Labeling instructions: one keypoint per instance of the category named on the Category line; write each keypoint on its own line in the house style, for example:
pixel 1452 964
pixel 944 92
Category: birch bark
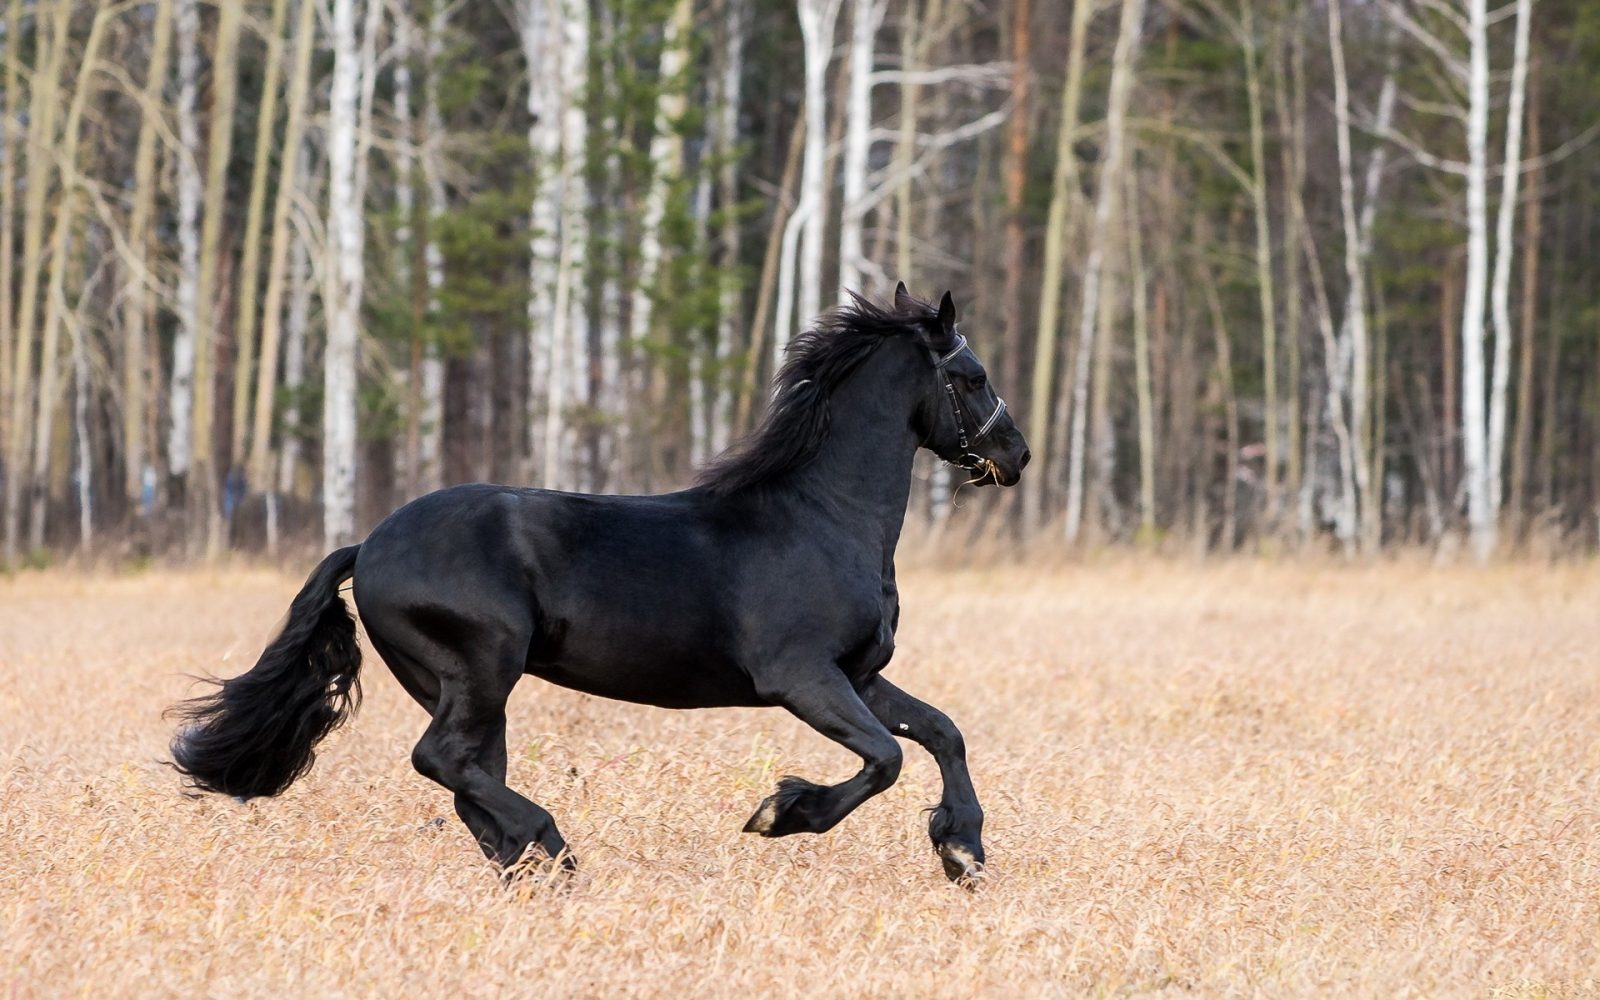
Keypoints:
pixel 344 283
pixel 1505 248
pixel 1123 59
pixel 259 465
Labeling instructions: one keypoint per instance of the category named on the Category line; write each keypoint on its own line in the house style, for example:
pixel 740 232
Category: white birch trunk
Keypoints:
pixel 1351 354
pixel 295 165
pixel 568 321
pixel 817 19
pixel 728 320
pixel 431 449
pixel 1123 58
pixel 541 52
pixel 1505 247
pixel 138 287
pixel 294 350
pixel 865 19
pixel 666 153
pixel 343 281
pixel 80 429
pixel 1480 510
pixel 181 393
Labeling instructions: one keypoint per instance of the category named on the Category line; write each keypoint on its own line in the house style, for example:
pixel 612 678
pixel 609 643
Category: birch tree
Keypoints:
pixel 1122 68
pixel 344 282
pixel 219 151
pixel 866 16
pixel 1063 192
pixel 180 393
pixel 1475 458
pixel 250 264
pixel 259 468
pixel 48 60
pixel 12 139
pixel 56 306
pixel 136 301
pixel 1505 246
pixel 800 260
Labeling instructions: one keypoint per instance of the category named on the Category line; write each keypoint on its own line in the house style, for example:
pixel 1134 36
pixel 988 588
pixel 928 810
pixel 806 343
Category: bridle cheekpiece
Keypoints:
pixel 968 459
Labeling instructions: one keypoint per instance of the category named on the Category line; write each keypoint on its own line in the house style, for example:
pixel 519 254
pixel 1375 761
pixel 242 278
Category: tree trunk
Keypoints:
pixel 1532 222
pixel 224 85
pixel 138 300
pixel 1287 78
pixel 817 19
pixel 250 265
pixel 1505 248
pixel 727 142
pixel 539 25
pixel 180 439
pixel 1474 447
pixel 278 254
pixel 66 222
pixel 296 324
pixel 1063 193
pixel 1122 68
pixel 1264 286
pixel 48 59
pixel 344 284
pixel 1016 183
pixel 431 447
pixel 1141 364
pixel 11 131
pixel 865 18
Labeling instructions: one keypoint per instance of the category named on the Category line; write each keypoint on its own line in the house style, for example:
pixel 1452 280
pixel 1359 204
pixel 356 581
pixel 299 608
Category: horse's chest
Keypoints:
pixel 876 643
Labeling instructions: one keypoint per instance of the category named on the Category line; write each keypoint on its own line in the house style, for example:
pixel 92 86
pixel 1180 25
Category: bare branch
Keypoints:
pixel 1452 61
pixel 889 180
pixel 1449 13
pixel 973 74
pixel 1415 150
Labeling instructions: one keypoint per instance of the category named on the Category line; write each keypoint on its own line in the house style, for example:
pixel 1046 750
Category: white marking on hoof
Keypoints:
pixel 972 871
pixel 904 728
pixel 765 816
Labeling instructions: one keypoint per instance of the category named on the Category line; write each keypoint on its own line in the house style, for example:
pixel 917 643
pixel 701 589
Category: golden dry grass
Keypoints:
pixel 1235 780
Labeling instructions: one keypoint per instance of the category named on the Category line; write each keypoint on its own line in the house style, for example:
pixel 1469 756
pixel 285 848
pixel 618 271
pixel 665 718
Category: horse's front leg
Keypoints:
pixel 822 698
pixel 956 825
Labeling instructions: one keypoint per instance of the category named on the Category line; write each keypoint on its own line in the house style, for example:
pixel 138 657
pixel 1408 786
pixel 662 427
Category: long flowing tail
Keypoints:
pixel 258 732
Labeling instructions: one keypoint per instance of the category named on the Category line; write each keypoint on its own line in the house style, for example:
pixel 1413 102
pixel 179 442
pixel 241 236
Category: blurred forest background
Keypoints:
pixel 1253 274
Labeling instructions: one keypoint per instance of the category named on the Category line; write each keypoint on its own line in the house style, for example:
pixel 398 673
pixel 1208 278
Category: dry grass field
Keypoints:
pixel 1241 779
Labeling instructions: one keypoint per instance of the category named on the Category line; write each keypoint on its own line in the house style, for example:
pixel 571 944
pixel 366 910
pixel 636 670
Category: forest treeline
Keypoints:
pixel 1251 273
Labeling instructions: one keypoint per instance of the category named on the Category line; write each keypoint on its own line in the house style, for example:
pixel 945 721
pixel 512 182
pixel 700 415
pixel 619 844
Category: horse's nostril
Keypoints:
pixel 1026 454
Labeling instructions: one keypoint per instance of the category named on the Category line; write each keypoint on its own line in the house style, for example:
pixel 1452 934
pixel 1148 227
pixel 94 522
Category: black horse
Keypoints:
pixel 771 582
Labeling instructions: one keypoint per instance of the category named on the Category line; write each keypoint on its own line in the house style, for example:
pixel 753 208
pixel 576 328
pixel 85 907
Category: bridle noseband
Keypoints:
pixel 968 460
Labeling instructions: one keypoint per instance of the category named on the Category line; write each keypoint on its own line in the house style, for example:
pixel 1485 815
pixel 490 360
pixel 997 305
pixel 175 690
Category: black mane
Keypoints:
pixel 815 363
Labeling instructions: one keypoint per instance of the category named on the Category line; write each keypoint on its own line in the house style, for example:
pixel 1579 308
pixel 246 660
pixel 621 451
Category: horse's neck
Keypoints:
pixel 863 471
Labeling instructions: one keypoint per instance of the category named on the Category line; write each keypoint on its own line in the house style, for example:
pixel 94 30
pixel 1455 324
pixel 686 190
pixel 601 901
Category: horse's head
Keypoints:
pixel 962 419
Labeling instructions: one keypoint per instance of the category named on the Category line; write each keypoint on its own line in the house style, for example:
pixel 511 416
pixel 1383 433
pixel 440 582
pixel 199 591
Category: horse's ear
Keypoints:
pixel 947 313
pixel 902 298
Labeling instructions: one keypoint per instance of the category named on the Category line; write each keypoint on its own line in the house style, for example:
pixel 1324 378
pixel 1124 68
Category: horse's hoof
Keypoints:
pixel 539 869
pixel 790 809
pixel 961 865
pixel 765 815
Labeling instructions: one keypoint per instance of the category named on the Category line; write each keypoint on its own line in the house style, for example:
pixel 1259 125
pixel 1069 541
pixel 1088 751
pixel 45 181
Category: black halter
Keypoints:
pixel 968 460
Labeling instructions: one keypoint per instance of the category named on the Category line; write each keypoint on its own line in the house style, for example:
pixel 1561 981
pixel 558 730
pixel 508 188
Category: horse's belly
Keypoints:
pixel 663 683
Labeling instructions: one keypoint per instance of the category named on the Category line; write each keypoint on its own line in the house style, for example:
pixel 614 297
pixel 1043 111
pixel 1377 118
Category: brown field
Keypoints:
pixel 1241 779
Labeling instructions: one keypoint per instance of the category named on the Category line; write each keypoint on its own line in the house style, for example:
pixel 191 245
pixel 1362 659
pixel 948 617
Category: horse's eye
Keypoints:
pixel 979 381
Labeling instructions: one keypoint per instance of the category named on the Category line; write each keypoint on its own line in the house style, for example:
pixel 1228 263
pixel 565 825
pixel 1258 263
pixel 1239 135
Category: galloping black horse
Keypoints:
pixel 771 582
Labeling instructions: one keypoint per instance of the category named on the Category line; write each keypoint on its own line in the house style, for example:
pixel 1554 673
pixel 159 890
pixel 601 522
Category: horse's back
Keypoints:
pixel 622 597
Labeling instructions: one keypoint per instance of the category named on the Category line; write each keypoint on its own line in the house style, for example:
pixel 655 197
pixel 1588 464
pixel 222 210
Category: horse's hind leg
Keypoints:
pixel 956 824
pixel 464 750
pixel 824 700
